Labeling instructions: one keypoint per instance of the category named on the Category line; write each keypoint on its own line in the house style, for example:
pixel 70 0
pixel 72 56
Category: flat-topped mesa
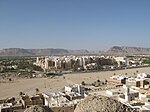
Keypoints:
pixel 117 50
pixel 43 52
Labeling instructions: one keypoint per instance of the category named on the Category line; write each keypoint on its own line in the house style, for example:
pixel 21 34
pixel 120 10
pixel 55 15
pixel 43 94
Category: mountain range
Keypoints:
pixel 125 50
pixel 43 52
pixel 115 50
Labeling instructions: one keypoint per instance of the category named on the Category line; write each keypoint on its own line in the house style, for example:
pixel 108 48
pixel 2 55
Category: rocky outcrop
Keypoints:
pixel 116 50
pixel 122 50
pixel 101 104
pixel 42 52
pixel 36 108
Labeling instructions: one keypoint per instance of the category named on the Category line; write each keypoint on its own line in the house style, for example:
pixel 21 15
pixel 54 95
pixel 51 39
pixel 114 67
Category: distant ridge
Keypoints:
pixel 42 52
pixel 125 50
pixel 115 50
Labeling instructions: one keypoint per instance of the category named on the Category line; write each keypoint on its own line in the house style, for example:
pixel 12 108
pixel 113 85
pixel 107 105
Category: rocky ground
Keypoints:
pixel 101 104
pixel 37 108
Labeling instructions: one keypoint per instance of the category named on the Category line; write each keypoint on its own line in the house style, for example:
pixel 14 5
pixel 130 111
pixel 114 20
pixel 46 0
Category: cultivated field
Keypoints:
pixel 57 83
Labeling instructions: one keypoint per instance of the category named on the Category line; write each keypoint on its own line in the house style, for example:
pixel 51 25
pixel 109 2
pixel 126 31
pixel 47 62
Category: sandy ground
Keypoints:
pixel 56 84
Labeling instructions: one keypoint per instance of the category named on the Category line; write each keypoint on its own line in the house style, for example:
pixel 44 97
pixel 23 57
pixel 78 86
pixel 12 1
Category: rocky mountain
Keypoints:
pixel 100 103
pixel 42 52
pixel 123 50
pixel 115 50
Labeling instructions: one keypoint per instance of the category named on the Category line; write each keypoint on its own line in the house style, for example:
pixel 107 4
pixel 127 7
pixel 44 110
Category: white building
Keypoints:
pixel 143 76
pixel 56 100
pixel 75 89
pixel 6 107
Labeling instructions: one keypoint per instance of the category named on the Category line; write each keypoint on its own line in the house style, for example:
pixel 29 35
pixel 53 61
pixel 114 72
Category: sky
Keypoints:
pixel 74 24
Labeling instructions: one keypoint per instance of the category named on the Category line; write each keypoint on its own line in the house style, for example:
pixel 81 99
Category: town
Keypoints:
pixel 130 90
pixel 85 63
pixel 74 56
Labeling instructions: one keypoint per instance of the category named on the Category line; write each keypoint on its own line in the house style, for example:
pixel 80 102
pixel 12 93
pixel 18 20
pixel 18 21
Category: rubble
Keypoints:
pixel 98 103
pixel 35 108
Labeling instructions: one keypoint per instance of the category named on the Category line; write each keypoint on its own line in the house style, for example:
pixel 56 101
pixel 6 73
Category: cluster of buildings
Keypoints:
pixel 134 92
pixel 65 101
pixel 87 62
pixel 73 62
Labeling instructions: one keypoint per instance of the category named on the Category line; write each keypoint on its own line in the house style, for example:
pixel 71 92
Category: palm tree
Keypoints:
pixel 21 93
pixel 83 83
pixel 135 74
pixel 37 90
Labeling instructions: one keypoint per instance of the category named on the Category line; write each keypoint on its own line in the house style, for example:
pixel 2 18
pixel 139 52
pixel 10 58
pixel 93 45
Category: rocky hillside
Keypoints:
pixel 119 50
pixel 41 52
pixel 101 104
pixel 31 52
pixel 116 50
pixel 36 108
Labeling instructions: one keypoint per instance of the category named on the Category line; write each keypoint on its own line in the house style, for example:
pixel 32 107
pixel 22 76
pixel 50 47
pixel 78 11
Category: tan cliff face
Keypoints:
pixel 125 50
pixel 43 52
pixel 30 52
pixel 101 104
pixel 115 50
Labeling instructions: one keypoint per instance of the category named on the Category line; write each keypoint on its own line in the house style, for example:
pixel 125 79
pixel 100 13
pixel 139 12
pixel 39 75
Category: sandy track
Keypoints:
pixel 56 84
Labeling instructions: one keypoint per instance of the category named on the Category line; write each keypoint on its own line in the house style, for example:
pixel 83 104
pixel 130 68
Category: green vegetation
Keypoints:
pixel 37 90
pixel 29 66
pixel 83 83
pixel 16 64
pixel 99 83
pixel 146 60
pixel 130 56
pixel 49 74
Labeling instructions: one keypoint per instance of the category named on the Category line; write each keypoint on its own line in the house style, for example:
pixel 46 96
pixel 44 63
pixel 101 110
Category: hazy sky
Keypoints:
pixel 74 24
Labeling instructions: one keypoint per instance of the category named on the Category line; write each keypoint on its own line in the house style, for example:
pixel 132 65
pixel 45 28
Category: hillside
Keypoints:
pixel 122 50
pixel 101 104
pixel 115 50
pixel 42 52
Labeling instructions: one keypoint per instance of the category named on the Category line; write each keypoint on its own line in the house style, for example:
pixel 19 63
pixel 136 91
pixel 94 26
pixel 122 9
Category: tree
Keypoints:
pixel 10 79
pixel 98 80
pixel 21 93
pixel 37 90
pixel 83 83
pixel 135 74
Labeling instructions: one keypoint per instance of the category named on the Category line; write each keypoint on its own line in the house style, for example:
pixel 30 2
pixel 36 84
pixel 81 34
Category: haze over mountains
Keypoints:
pixel 43 52
pixel 125 50
pixel 115 50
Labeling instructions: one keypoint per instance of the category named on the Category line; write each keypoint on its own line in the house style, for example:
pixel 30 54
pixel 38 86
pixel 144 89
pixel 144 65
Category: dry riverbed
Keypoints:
pixel 56 84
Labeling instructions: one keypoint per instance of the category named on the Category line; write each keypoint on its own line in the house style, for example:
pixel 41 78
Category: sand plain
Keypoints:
pixel 56 84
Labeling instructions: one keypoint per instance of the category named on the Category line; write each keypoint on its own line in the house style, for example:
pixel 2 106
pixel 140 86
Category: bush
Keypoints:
pixel 83 83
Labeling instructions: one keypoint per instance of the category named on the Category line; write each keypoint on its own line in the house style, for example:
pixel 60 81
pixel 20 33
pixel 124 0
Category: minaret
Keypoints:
pixel 127 95
pixel 37 60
